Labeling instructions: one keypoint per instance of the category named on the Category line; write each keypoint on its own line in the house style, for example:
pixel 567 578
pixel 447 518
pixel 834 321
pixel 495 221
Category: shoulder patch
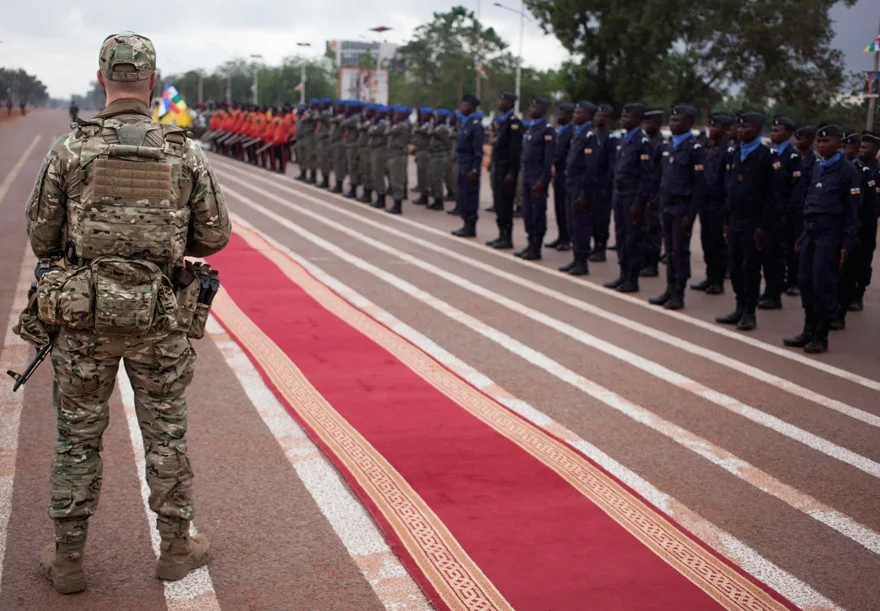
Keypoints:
pixel 666 153
pixel 548 138
pixel 644 157
pixel 794 156
pixel 776 165
pixel 855 191
pixel 514 126
pixel 697 145
pixel 698 167
pixel 645 139
pixel 588 151
pixel 796 174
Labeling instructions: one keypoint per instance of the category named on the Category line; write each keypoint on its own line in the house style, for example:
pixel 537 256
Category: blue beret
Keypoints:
pixel 426 110
pixel 383 108
pixel 636 108
pixel 326 101
pixel 354 104
pixel 314 101
pixel 301 106
pixel 443 112
pixel 406 110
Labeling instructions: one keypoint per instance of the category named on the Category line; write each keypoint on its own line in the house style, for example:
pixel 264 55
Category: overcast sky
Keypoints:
pixel 59 40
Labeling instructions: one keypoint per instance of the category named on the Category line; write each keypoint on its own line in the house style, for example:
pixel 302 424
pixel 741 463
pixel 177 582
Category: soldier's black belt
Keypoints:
pixel 622 185
pixel 675 201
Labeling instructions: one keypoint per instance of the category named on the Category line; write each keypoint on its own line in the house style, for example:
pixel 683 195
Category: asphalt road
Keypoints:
pixel 768 455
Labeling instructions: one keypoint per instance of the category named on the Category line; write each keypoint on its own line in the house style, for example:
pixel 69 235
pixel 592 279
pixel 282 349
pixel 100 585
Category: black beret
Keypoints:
pixel 752 117
pixel 636 108
pixel 565 107
pixel 587 105
pixel 507 95
pixel 688 110
pixel 605 108
pixel 471 99
pixel 721 118
pixel 805 131
pixel 853 138
pixel 830 130
pixel 870 137
pixel 783 120
pixel 540 100
pixel 654 113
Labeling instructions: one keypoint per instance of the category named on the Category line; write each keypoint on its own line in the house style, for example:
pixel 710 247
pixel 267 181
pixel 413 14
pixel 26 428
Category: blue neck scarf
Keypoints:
pixel 745 148
pixel 824 163
pixel 562 129
pixel 781 147
pixel 679 139
pixel 579 129
pixel 504 117
pixel 629 135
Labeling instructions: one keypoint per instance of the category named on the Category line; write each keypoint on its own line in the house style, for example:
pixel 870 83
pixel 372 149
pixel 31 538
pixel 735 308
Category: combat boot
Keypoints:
pixel 770 302
pixel 312 179
pixel 396 208
pixel 568 266
pixel 649 271
pixel 858 303
pixel 716 287
pixel 422 201
pixel 819 342
pixel 325 182
pixel 522 251
pixel 734 317
pixel 748 322
pixel 806 336
pixel 504 241
pixel 701 286
pixel 598 254
pixel 178 557
pixel 379 203
pixel 613 284
pixel 676 300
pixel 352 192
pixel 533 253
pixel 580 267
pixel 564 246
pixel 518 212
pixel 454 211
pixel 663 298
pixel 555 243
pixel 437 205
pixel 449 197
pixel 468 230
pixel 793 290
pixel 630 284
pixel 337 188
pixel 64 568
pixel 367 197
pixel 838 323
pixel 302 175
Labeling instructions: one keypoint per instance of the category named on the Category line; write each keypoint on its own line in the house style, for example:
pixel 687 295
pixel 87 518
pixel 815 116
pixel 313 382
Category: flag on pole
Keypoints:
pixel 874 47
pixel 171 108
pixel 300 87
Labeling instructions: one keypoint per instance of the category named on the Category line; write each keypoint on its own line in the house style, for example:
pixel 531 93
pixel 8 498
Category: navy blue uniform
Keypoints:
pixel 794 220
pixel 585 166
pixel 792 190
pixel 564 135
pixel 506 153
pixel 602 229
pixel 831 224
pixel 752 202
pixel 632 188
pixel 856 273
pixel 470 159
pixel 682 192
pixel 712 238
pixel 653 220
pixel 539 145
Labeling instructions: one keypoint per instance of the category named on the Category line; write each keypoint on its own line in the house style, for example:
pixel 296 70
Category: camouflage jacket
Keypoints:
pixel 59 183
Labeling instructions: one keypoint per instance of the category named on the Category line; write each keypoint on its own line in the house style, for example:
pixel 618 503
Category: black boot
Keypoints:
pixel 663 297
pixel 838 323
pixel 858 303
pixel 454 211
pixel 337 188
pixel 379 203
pixel 598 254
pixel 568 266
pixel 521 252
pixel 325 183
pixel 819 342
pixel 517 212
pixel 367 197
pixel 580 267
pixel 468 230
pixel 716 287
pixel 422 201
pixel 770 302
pixel 701 286
pixel 676 301
pixel 806 336
pixel 302 175
pixel 554 243
pixel 748 322
pixel 534 252
pixel 504 241
pixel 649 271
pixel 793 290
pixel 630 284
pixel 352 192
pixel 734 317
pixel 490 209
pixel 396 208
pixel 449 197
pixel 437 205
pixel 312 179
pixel 613 284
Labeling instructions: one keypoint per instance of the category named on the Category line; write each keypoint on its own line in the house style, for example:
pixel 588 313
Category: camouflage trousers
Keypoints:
pixel 437 174
pixel 397 177
pixel 452 175
pixel 160 367
pixel 366 168
pixel 379 168
pixel 340 161
pixel 323 156
pixel 354 166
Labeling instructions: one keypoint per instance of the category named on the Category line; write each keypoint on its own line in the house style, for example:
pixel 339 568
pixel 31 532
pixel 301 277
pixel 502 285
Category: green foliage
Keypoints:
pixel 18 86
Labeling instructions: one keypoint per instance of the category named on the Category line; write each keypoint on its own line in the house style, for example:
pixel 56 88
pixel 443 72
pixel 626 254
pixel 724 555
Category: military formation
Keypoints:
pixel 799 210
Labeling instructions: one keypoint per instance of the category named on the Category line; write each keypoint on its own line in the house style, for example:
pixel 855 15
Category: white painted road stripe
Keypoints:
pixel 195 592
pixel 726 544
pixel 665 374
pixel 716 455
pixel 791 355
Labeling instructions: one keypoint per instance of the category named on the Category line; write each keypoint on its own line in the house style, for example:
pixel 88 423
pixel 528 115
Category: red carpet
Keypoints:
pixel 481 506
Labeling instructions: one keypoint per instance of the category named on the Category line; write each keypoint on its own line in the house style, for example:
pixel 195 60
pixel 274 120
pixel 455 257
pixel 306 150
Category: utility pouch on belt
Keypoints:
pixel 65 297
pixel 127 295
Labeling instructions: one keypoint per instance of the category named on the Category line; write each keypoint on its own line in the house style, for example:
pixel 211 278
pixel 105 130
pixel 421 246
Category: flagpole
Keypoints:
pixel 872 103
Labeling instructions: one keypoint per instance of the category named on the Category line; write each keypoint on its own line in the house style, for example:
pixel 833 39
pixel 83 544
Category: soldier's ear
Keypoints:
pixel 153 81
pixel 101 79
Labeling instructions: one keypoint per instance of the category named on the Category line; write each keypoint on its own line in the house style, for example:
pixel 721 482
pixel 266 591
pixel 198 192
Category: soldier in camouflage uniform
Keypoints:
pixel 323 160
pixel 337 145
pixel 379 154
pixel 305 143
pixel 452 166
pixel 363 147
pixel 421 140
pixel 73 219
pixel 438 148
pixel 398 157
pixel 350 135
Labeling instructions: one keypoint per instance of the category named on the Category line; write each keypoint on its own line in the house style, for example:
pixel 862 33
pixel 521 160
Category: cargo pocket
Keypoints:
pixel 77 372
pixel 175 364
pixel 200 319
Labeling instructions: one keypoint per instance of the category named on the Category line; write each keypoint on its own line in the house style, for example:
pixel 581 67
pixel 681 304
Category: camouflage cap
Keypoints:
pixel 127 57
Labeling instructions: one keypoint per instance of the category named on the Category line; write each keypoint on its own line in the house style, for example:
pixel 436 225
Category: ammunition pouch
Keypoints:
pixel 195 286
pixel 65 297
pixel 132 297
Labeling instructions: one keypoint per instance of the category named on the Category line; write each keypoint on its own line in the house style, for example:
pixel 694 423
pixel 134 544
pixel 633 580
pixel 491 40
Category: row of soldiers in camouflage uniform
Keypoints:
pixel 369 145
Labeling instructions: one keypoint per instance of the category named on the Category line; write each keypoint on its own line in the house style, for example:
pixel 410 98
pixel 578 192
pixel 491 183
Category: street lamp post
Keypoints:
pixel 256 56
pixel 522 23
pixel 302 74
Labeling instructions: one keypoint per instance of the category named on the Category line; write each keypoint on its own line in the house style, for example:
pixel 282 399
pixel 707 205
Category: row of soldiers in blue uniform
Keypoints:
pixel 368 144
pixel 804 212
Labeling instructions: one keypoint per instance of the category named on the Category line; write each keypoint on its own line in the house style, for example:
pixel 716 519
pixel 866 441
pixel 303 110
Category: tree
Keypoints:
pixel 19 86
pixel 662 50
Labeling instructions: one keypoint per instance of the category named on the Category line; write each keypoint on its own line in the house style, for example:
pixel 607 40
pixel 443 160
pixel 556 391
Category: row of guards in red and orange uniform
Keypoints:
pixel 260 135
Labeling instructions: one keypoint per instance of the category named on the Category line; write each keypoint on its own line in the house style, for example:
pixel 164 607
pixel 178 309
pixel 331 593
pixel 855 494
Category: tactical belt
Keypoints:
pixel 622 185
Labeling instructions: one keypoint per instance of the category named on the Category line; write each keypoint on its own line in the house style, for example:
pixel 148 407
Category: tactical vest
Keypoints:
pixel 133 200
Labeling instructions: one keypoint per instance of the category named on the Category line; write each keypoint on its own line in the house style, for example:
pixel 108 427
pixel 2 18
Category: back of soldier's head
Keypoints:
pixel 127 66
